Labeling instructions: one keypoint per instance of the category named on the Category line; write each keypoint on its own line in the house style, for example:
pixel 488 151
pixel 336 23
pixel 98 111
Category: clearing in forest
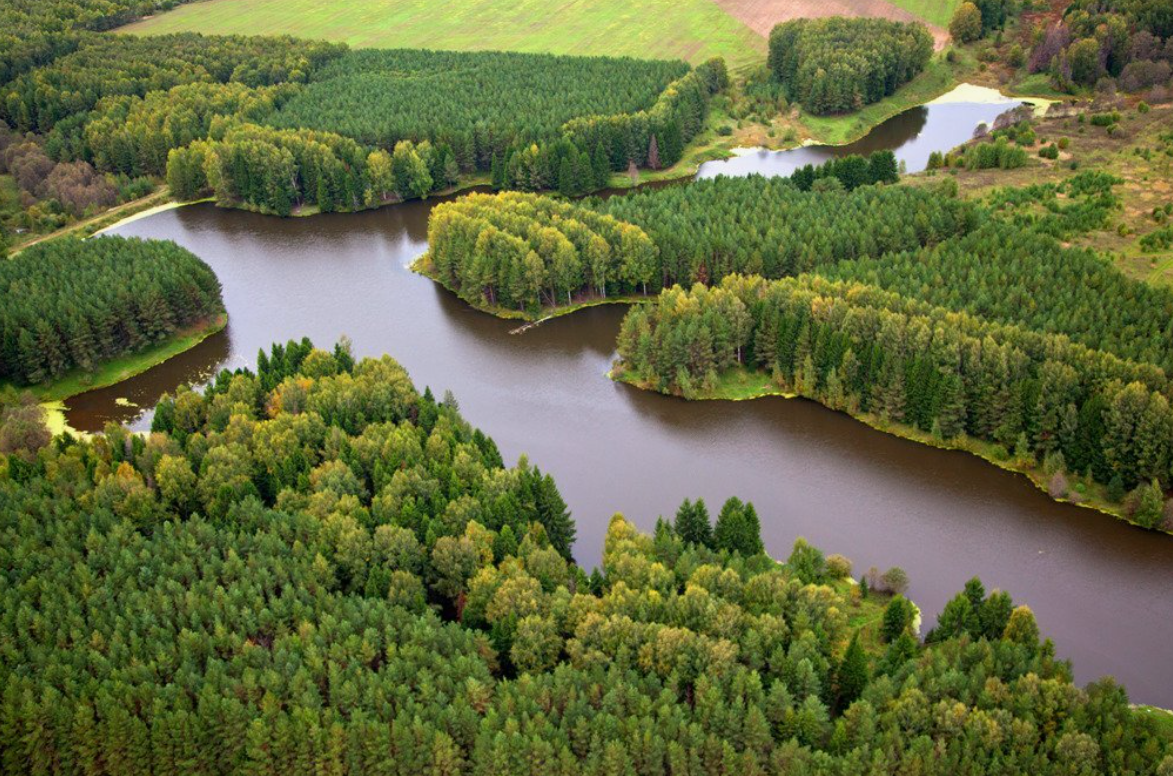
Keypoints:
pixel 761 15
pixel 693 30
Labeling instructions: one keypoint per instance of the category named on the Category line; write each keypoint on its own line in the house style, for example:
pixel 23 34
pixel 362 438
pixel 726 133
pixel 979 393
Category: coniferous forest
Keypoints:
pixel 312 568
pixel 836 65
pixel 306 566
pixel 72 304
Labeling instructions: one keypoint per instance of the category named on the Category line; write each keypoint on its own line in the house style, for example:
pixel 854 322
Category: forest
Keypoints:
pixel 1127 41
pixel 309 124
pixel 838 65
pixel 313 568
pixel 525 252
pixel 124 65
pixel 861 350
pixel 33 34
pixel 71 304
pixel 481 104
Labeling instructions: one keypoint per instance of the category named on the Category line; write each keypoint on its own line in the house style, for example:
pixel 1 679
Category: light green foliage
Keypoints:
pixel 299 571
pixel 664 29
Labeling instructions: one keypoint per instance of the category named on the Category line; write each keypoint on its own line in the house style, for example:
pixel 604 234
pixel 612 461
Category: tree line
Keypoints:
pixel 770 226
pixel 838 65
pixel 312 568
pixel 72 85
pixel 33 34
pixel 480 246
pixel 865 351
pixel 71 304
pixel 278 170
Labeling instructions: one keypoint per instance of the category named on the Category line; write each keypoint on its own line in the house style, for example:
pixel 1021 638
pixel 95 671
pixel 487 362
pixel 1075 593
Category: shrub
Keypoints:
pixel 966 24
pixel 838 566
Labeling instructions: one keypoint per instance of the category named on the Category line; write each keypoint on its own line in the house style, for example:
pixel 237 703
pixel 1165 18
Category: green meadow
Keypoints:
pixel 693 30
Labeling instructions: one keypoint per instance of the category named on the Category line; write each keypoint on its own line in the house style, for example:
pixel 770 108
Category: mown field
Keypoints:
pixel 937 12
pixel 693 30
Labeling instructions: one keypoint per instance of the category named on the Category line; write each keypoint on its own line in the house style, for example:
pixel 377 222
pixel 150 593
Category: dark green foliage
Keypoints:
pixel 898 615
pixel 769 226
pixel 738 529
pixel 315 569
pixel 692 523
pixel 675 118
pixel 110 65
pixel 480 103
pixel 838 65
pixel 851 675
pixel 72 304
pixel 852 348
pixel 33 33
pixel 1004 273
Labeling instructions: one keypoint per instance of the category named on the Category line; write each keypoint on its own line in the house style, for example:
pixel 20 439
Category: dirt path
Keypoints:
pixel 761 15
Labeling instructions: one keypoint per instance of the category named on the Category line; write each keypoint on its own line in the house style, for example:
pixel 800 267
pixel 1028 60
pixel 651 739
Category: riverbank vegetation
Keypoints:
pixel 857 349
pixel 410 604
pixel 529 252
pixel 73 305
pixel 838 65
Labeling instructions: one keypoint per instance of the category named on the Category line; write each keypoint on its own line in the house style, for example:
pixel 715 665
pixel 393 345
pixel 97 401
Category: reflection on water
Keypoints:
pixel 1099 587
pixel 912 135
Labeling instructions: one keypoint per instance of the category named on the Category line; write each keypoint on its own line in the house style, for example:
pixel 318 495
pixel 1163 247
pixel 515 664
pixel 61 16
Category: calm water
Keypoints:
pixel 913 135
pixel 1100 588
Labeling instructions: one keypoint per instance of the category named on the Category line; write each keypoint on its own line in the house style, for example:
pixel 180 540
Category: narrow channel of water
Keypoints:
pixel 1100 588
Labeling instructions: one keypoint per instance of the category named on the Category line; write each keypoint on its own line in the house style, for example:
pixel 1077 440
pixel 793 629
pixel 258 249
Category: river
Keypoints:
pixel 1100 588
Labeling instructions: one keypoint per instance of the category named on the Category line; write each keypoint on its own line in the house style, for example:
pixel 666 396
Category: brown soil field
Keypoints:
pixel 761 15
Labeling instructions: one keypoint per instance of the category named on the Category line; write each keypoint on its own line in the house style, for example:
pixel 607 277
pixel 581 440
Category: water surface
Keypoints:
pixel 1100 588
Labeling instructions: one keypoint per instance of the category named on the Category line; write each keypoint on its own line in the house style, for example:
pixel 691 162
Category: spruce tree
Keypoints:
pixel 601 166
pixel 851 675
pixel 692 523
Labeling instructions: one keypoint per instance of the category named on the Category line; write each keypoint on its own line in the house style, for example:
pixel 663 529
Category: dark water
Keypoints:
pixel 913 135
pixel 1101 589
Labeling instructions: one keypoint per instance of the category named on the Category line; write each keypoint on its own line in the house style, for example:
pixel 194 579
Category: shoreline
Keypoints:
pixel 961 444
pixel 54 397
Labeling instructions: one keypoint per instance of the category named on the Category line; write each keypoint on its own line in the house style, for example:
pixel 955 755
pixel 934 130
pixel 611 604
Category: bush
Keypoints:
pixel 838 566
pixel 1049 152
pixel 966 24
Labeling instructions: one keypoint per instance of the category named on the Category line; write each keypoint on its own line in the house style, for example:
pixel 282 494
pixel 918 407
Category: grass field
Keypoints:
pixel 692 30
pixel 937 12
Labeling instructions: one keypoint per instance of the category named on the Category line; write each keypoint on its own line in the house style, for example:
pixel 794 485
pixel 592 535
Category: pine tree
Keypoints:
pixel 897 618
pixel 851 675
pixel 554 516
pixel 566 184
pixel 653 154
pixel 692 523
pixel 601 166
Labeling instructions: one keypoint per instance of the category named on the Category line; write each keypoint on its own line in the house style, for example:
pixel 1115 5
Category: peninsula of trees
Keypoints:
pixel 869 352
pixel 315 569
pixel 72 304
pixel 525 252
pixel 964 322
